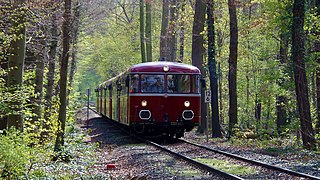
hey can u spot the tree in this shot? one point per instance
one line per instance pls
(148, 31)
(164, 32)
(39, 54)
(172, 31)
(216, 131)
(74, 39)
(142, 43)
(301, 84)
(198, 52)
(182, 30)
(282, 100)
(54, 36)
(233, 56)
(317, 49)
(63, 76)
(16, 63)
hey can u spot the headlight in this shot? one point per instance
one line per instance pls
(144, 103)
(186, 103)
(165, 68)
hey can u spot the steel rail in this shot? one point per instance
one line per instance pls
(197, 163)
(288, 171)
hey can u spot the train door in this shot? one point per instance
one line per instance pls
(110, 101)
(119, 88)
(97, 100)
(105, 101)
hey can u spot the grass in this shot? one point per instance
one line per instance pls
(227, 167)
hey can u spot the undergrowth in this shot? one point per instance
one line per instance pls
(21, 159)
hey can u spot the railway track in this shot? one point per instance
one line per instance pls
(190, 152)
(258, 163)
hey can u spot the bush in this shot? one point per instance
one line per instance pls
(16, 155)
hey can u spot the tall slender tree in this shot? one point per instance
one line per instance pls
(164, 32)
(182, 30)
(16, 63)
(41, 59)
(301, 84)
(63, 76)
(216, 131)
(282, 100)
(172, 31)
(148, 31)
(198, 52)
(54, 36)
(233, 56)
(317, 49)
(74, 41)
(142, 40)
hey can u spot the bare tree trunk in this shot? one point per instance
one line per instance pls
(64, 76)
(74, 39)
(300, 74)
(164, 31)
(172, 38)
(181, 57)
(142, 43)
(232, 78)
(40, 61)
(51, 66)
(16, 65)
(282, 100)
(216, 131)
(317, 49)
(148, 31)
(198, 52)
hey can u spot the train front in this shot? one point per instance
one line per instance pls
(164, 97)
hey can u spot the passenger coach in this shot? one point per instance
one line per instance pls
(154, 98)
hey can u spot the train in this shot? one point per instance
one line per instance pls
(155, 98)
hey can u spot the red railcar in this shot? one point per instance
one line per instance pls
(154, 97)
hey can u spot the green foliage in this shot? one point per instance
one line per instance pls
(228, 167)
(17, 156)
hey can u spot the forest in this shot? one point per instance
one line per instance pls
(259, 58)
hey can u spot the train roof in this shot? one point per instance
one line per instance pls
(174, 67)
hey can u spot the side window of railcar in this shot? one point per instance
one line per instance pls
(195, 83)
(134, 83)
(152, 83)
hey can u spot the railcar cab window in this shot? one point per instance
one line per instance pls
(151, 83)
(184, 83)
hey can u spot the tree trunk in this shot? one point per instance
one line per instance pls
(216, 131)
(63, 76)
(232, 78)
(164, 31)
(148, 31)
(197, 54)
(317, 49)
(182, 31)
(172, 38)
(15, 66)
(74, 39)
(51, 66)
(40, 61)
(282, 100)
(3, 113)
(300, 74)
(142, 43)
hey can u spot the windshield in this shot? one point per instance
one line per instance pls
(171, 83)
(183, 83)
